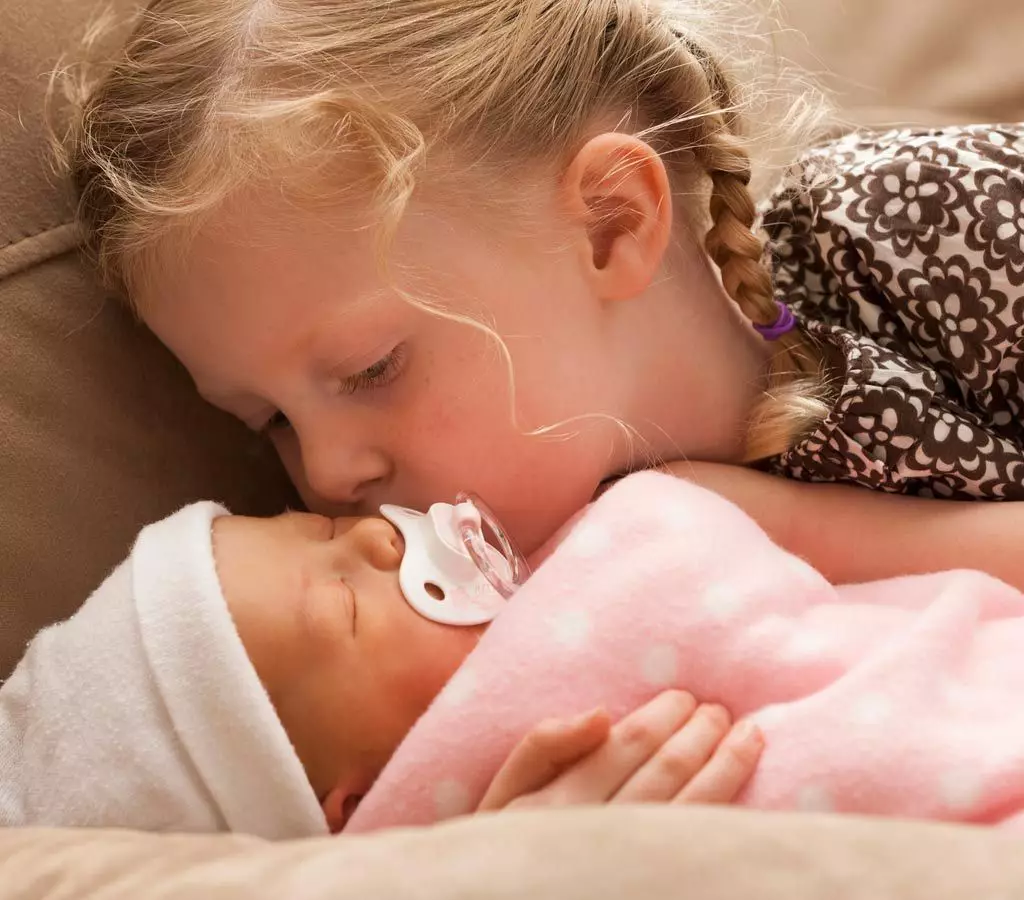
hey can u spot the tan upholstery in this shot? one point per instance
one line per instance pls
(99, 429)
(935, 61)
(623, 854)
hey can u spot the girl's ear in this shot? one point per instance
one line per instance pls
(617, 186)
(338, 807)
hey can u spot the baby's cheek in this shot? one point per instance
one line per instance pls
(439, 653)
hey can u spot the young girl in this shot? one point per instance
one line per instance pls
(510, 246)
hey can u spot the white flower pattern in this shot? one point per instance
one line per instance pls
(908, 256)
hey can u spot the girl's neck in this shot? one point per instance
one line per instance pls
(698, 369)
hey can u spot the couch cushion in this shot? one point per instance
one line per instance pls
(600, 853)
(935, 61)
(100, 431)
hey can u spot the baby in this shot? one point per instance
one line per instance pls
(249, 675)
(143, 710)
(274, 678)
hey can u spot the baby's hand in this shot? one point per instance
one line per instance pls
(669, 751)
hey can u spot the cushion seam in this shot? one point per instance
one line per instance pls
(28, 237)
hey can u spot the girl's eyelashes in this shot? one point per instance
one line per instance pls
(275, 423)
(379, 375)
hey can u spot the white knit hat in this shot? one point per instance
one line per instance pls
(143, 710)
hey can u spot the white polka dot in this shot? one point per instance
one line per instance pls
(660, 666)
(770, 716)
(589, 540)
(722, 602)
(571, 628)
(675, 517)
(807, 645)
(815, 799)
(956, 695)
(960, 790)
(871, 710)
(460, 689)
(451, 798)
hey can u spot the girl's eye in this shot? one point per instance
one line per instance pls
(379, 375)
(275, 423)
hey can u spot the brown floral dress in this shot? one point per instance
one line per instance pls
(905, 252)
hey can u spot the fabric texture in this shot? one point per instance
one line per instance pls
(581, 853)
(905, 252)
(143, 710)
(930, 62)
(101, 431)
(898, 698)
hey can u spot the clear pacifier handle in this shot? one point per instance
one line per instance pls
(471, 514)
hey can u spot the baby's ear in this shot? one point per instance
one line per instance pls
(338, 807)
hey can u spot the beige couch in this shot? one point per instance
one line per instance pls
(99, 433)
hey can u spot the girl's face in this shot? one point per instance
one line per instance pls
(284, 319)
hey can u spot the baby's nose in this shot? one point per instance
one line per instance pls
(373, 539)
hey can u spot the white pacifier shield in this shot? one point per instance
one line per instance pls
(437, 575)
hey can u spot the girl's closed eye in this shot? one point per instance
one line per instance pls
(276, 422)
(379, 375)
(382, 373)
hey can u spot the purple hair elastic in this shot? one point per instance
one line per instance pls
(784, 324)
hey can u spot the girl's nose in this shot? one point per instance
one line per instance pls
(373, 540)
(342, 471)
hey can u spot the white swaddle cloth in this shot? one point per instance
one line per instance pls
(143, 711)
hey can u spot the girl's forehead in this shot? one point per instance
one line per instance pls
(263, 274)
(253, 245)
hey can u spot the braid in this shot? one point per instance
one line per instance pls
(793, 400)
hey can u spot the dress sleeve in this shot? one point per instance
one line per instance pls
(912, 242)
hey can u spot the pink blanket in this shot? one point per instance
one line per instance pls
(901, 697)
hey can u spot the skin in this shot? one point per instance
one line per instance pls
(284, 319)
(348, 664)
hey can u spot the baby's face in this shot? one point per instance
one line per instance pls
(348, 664)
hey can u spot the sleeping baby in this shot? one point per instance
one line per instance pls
(187, 694)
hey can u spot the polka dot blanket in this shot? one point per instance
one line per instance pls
(901, 697)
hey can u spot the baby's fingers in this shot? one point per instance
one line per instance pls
(543, 755)
(728, 770)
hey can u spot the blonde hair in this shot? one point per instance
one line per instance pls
(208, 95)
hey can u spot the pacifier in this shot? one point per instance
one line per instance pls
(450, 573)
